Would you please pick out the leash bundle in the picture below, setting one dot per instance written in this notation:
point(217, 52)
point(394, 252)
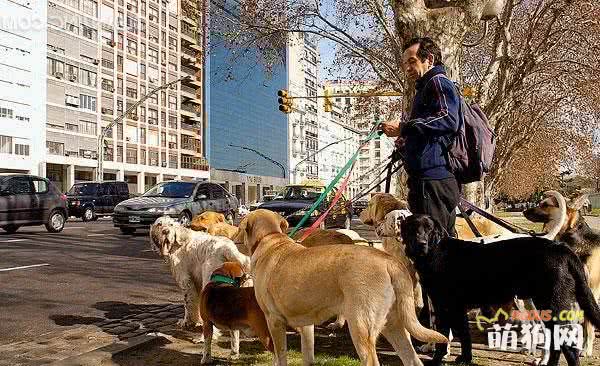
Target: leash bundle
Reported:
point(349, 166)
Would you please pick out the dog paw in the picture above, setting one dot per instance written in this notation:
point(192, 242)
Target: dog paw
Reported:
point(464, 360)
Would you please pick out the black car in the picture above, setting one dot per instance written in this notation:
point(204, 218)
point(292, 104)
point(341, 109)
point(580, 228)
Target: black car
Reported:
point(295, 200)
point(180, 200)
point(359, 205)
point(27, 200)
point(89, 200)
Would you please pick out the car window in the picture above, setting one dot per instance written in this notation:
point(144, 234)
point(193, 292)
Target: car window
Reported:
point(203, 190)
point(216, 191)
point(19, 185)
point(84, 189)
point(171, 190)
point(40, 185)
point(122, 188)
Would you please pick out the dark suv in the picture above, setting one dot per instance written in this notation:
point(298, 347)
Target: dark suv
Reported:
point(89, 200)
point(181, 200)
point(27, 200)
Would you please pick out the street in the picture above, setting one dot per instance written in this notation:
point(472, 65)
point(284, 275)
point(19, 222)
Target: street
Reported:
point(90, 275)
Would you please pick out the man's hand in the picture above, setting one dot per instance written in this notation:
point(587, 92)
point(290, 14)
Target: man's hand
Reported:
point(391, 129)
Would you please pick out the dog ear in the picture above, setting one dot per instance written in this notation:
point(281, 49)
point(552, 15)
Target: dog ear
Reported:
point(578, 202)
point(240, 236)
point(221, 217)
point(283, 225)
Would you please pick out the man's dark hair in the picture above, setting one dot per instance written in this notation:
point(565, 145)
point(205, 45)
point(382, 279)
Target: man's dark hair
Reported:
point(426, 47)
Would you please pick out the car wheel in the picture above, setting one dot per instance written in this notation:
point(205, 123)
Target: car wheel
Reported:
point(127, 230)
point(88, 214)
point(230, 217)
point(11, 229)
point(56, 222)
point(185, 219)
point(348, 222)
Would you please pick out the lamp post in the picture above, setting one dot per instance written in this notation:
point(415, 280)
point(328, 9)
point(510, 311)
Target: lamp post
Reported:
point(263, 156)
point(100, 168)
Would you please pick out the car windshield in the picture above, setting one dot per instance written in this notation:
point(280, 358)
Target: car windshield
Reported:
point(83, 189)
point(172, 190)
point(300, 193)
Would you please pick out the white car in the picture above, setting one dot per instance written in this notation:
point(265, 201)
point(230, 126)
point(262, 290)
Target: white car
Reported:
point(243, 211)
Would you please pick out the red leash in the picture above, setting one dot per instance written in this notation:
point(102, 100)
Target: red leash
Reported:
point(336, 198)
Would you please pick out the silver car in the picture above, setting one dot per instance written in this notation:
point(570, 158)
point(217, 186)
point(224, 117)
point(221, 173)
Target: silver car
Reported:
point(180, 200)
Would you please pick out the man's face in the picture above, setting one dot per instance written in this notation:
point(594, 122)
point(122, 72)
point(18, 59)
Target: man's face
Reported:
point(412, 64)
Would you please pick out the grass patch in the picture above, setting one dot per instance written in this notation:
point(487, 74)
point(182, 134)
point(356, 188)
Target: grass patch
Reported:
point(595, 212)
point(295, 359)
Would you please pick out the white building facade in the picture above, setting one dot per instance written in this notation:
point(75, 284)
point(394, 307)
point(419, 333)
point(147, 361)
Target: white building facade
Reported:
point(303, 66)
point(22, 86)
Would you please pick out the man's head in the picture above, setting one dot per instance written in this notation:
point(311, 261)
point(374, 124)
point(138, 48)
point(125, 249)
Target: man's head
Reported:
point(420, 55)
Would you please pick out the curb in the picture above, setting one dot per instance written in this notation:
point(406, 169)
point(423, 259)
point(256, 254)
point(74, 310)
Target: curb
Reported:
point(103, 355)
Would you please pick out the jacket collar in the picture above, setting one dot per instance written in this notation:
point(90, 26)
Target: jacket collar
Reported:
point(436, 70)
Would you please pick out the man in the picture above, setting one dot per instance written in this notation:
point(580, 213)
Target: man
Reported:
point(434, 119)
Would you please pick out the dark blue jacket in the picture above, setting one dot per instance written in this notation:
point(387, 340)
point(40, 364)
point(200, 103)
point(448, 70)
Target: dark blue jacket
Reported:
point(434, 120)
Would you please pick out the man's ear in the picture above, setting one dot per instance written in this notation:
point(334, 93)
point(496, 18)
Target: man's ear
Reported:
point(283, 225)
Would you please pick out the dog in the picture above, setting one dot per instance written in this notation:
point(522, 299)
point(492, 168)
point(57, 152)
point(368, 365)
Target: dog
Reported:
point(226, 305)
point(213, 223)
point(300, 287)
point(192, 257)
point(576, 233)
point(487, 274)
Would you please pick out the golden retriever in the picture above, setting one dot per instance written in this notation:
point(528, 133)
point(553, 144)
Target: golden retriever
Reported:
point(300, 287)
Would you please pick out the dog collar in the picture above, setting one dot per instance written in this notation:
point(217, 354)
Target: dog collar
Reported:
point(217, 278)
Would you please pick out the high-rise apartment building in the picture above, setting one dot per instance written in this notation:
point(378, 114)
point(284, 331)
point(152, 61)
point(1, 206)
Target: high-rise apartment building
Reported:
point(22, 86)
point(102, 57)
point(303, 66)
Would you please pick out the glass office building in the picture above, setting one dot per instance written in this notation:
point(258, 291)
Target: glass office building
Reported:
point(248, 144)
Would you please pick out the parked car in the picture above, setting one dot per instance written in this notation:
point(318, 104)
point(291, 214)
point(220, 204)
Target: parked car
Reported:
point(293, 202)
point(181, 200)
point(266, 198)
point(27, 200)
point(89, 200)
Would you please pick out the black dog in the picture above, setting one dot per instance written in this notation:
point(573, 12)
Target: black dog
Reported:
point(460, 276)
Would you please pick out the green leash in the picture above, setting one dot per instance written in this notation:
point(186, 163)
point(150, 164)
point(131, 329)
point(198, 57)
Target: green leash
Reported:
point(374, 133)
point(217, 278)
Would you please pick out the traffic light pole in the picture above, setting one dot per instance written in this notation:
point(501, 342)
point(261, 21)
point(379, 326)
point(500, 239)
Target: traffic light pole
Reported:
point(100, 167)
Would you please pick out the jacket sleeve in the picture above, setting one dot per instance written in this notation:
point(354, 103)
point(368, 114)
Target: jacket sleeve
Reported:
point(444, 110)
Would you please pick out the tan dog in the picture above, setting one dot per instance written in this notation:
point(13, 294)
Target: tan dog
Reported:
point(575, 232)
point(300, 287)
point(214, 223)
point(226, 305)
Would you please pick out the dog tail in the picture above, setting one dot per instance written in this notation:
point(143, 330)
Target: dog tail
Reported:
point(585, 298)
point(405, 302)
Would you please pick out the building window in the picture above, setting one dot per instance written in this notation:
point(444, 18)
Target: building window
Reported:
point(131, 47)
point(131, 24)
point(142, 135)
point(6, 112)
point(6, 144)
point(152, 116)
point(131, 93)
point(90, 7)
point(120, 106)
point(173, 121)
point(71, 127)
point(108, 85)
point(72, 28)
point(88, 78)
point(71, 100)
point(88, 32)
point(153, 55)
point(87, 102)
point(55, 148)
point(163, 98)
point(55, 67)
point(173, 101)
point(163, 139)
point(87, 127)
point(21, 149)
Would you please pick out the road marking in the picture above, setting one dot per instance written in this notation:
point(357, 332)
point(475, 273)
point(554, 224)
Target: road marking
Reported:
point(73, 227)
point(23, 267)
point(96, 234)
point(148, 250)
point(12, 240)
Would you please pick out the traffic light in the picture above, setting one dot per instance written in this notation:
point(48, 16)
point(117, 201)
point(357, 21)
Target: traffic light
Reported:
point(328, 103)
point(286, 103)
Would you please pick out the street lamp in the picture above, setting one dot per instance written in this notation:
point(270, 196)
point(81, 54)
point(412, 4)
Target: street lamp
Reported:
point(263, 156)
point(310, 156)
point(100, 168)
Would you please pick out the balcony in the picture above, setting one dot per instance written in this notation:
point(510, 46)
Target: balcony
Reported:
point(188, 34)
point(189, 111)
point(188, 92)
point(194, 163)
